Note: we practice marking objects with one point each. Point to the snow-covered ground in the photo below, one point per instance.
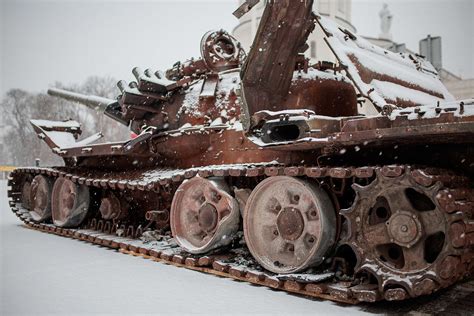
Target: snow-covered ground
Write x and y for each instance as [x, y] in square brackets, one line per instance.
[42, 273]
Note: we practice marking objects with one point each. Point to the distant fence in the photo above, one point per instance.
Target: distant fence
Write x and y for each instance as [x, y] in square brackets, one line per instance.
[4, 171]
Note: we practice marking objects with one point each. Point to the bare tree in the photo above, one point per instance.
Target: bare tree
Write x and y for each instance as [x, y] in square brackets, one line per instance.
[19, 143]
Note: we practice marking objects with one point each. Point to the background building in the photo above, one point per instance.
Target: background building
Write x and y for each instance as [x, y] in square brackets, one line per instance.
[341, 12]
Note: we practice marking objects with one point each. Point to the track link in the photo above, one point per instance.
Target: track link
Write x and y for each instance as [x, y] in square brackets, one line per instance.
[455, 197]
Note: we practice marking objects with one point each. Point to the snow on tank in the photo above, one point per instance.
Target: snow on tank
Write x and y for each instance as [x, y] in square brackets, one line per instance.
[388, 79]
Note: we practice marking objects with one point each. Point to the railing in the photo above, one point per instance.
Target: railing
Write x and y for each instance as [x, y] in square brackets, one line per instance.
[5, 171]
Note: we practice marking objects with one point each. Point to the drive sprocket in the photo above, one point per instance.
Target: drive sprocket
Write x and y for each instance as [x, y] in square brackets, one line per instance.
[401, 235]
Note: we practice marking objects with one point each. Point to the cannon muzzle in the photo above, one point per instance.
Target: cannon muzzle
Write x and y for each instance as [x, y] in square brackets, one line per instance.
[91, 101]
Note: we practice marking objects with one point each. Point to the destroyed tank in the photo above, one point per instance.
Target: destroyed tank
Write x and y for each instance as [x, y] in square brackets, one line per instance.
[348, 180]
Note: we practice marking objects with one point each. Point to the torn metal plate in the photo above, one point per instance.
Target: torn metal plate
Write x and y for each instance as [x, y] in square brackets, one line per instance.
[59, 135]
[390, 80]
[245, 7]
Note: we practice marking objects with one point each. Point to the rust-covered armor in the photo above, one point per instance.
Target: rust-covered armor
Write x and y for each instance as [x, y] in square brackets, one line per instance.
[270, 169]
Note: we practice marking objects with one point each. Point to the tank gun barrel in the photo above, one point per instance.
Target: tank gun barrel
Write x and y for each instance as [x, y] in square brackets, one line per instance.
[91, 101]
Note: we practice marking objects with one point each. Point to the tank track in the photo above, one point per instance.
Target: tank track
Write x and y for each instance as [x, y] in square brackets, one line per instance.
[454, 196]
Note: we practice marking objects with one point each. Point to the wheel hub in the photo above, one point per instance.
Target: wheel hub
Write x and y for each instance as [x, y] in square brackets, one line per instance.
[106, 208]
[405, 229]
[290, 224]
[208, 217]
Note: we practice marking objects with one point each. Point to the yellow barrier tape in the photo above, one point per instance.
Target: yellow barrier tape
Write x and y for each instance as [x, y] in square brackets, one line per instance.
[7, 168]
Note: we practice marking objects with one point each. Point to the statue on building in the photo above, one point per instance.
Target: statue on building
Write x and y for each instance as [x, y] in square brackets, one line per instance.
[385, 22]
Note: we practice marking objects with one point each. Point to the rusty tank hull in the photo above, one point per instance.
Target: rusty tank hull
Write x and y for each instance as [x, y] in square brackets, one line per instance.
[349, 180]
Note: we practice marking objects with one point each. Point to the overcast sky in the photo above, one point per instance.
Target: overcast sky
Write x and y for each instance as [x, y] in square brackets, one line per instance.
[47, 41]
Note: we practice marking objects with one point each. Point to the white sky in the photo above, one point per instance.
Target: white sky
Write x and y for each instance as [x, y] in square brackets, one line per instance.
[69, 40]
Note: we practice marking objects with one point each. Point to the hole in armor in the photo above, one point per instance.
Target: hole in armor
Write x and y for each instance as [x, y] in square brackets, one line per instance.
[433, 246]
[284, 133]
[419, 201]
